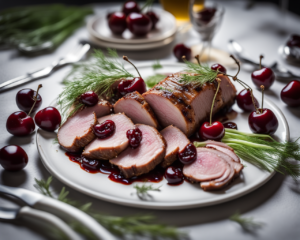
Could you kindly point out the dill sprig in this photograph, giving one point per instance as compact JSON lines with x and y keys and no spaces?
{"x":151,"y":81}
{"x":142,"y":190}
{"x":203,"y":74}
{"x":248,"y":224}
{"x":98,"y":76}
{"x":263,"y":151}
{"x":157,"y":65}
{"x":125,"y":227}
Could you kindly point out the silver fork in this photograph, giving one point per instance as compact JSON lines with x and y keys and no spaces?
{"x":44,"y":72}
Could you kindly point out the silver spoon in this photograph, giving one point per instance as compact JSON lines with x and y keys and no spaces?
{"x":280,"y":72}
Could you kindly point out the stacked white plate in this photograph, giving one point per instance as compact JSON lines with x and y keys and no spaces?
{"x":164,"y":34}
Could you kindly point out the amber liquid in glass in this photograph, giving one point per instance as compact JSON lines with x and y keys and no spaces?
{"x":180,"y":8}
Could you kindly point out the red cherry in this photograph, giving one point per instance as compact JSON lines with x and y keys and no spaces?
{"x":215,"y":131}
{"x":48,"y":119}
{"x":244,"y":101}
{"x":181,"y":50}
{"x":264,"y":76}
{"x":218,"y":67}
{"x":130,"y":7}
{"x":20,"y":124}
{"x":25,"y":99}
{"x":230,"y":125}
{"x":153,"y":17}
{"x":173,"y":175}
{"x":264,"y":122}
{"x":188,"y":155}
{"x":290,"y":94}
{"x":127,"y":86}
{"x":104,"y":129}
{"x":89,"y":98}
{"x":135,"y":137}
{"x":13,"y":158}
{"x":139,"y":24}
{"x":294,"y":41}
{"x":117,"y":22}
{"x":206,"y":14}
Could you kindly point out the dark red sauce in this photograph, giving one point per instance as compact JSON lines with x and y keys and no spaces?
{"x":231,"y":125}
{"x":114,"y":174}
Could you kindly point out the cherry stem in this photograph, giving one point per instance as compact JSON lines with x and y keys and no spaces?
{"x":260,"y":58}
{"x":262,"y":97}
{"x":198,"y":59}
{"x":126,"y":59}
{"x":183,"y":58}
{"x":213,"y":102}
{"x":35,"y":99}
{"x":239,"y":67}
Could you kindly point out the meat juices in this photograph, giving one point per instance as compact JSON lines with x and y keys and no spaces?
{"x":186,"y":106}
{"x":176,"y":141}
{"x":77,"y":132}
{"x":150,"y":153}
{"x":137,"y":109}
{"x":112,"y":146}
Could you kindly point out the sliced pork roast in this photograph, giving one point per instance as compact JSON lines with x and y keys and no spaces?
{"x":134,"y":162}
{"x":186,"y":106}
{"x":222,"y":147}
{"x":176,"y":141}
{"x":110,"y":147}
{"x":77,"y":132}
{"x":137,"y":109}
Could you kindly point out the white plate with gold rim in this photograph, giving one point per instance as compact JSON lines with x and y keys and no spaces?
{"x":186,"y":195}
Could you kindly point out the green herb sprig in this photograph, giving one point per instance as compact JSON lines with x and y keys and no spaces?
{"x":156,"y":65}
{"x":98,"y":76}
{"x":151,"y":81}
{"x":142,"y":190}
{"x":127,"y":227}
{"x":204,"y":74}
{"x":263,"y":151}
{"x":248,"y":224}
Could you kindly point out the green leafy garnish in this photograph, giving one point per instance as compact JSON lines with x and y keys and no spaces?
{"x":248,"y":224}
{"x":98,"y":76}
{"x":43,"y":27}
{"x":263,"y":151}
{"x":203,"y":74}
{"x":127,"y":227}
{"x":151,"y":81}
{"x":142,"y":191}
{"x":156,"y":65}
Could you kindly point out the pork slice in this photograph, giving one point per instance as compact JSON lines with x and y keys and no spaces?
{"x":137,"y":109}
{"x":186,"y":106}
{"x":77,"y":132}
{"x":227,"y":151}
{"x":134,"y":162}
{"x":208,"y":166}
{"x":112,"y":146}
{"x":221,"y":144}
{"x":176,"y":141}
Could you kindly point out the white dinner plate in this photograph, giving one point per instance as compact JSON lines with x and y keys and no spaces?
{"x":186,"y":195}
{"x":166,"y":28}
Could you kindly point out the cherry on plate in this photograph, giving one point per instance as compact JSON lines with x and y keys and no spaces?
{"x":294,"y":41}
{"x":173,"y":175}
{"x":135,"y":137}
{"x":128,"y":86}
{"x":230,"y":125}
{"x":290,"y":94}
{"x":215,"y":131}
{"x":245,"y":102}
{"x":264,"y":76}
{"x":48,"y":119}
{"x":89,"y":98}
{"x":130,"y":7}
{"x":188,"y":155}
{"x":20,"y":124}
{"x":13,"y":158}
{"x":117,"y":22}
{"x":105,"y":129}
{"x":25,"y":99}
{"x":139,"y":24}
{"x":153,"y":17}
{"x":181,"y":50}
{"x":263,"y":121}
{"x":219,"y":67}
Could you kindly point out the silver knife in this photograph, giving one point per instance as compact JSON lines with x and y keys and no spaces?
{"x":61,"y":209}
{"x":69,"y":58}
